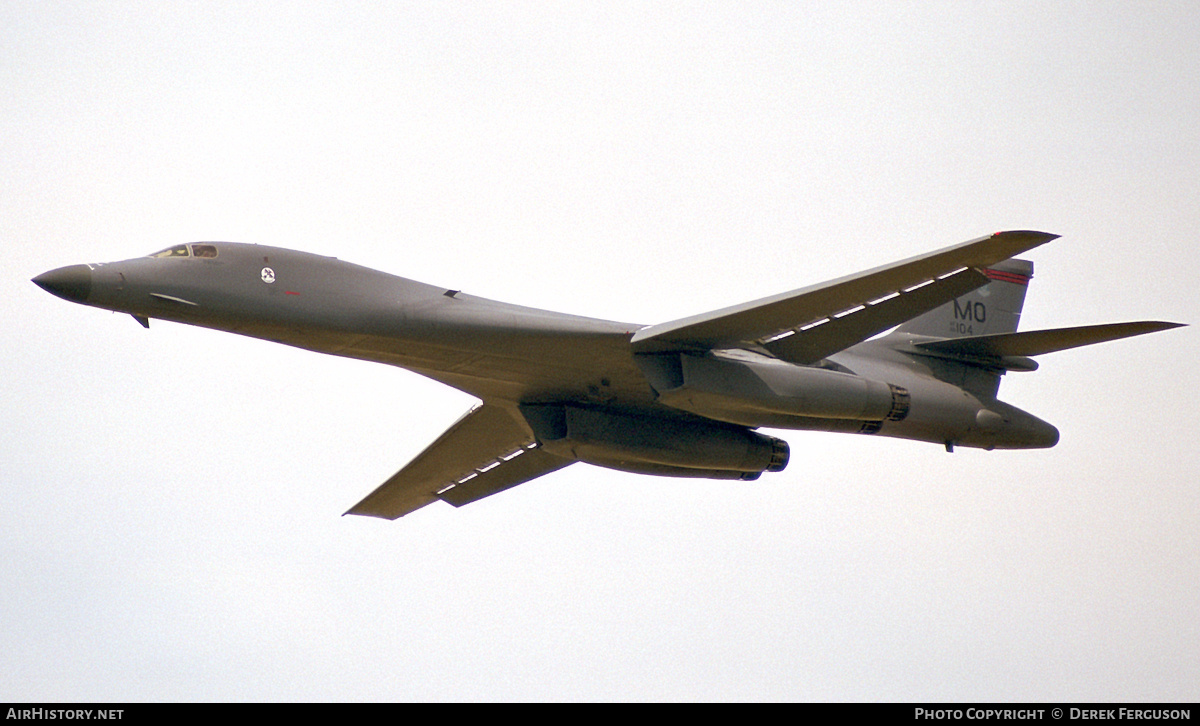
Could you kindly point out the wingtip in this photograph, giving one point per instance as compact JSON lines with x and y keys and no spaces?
{"x":1000,"y":246}
{"x":354,"y":511}
{"x":1165,"y":325}
{"x":1152,"y":326}
{"x":1029,"y":235}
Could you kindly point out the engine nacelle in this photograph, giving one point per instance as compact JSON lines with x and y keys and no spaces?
{"x":755,"y":390}
{"x":657,"y":445}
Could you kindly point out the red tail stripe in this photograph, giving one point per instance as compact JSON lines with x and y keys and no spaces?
{"x":1013,"y":277}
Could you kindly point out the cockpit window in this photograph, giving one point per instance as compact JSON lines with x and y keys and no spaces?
{"x":176,"y":251}
{"x":197,"y":250}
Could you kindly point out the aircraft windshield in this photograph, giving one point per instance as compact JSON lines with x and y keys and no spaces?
{"x":176,"y":251}
{"x":197,"y":250}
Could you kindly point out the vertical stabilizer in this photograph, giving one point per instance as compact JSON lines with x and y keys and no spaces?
{"x":992,"y":309}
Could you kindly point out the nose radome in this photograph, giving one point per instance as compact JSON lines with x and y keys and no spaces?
{"x":73,"y":282}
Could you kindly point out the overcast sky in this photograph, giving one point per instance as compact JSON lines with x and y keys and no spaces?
{"x":170,"y":499}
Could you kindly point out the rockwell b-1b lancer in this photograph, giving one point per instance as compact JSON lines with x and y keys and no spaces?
{"x":683,"y":398}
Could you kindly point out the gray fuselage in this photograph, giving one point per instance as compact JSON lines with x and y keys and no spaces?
{"x":518,"y":355}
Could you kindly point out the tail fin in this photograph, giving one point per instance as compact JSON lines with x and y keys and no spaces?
{"x":992,"y":309}
{"x":978,"y":333}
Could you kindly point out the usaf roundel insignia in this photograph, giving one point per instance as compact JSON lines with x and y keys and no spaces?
{"x":268,"y":275}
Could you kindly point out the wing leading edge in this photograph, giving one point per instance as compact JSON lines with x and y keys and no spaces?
{"x":484,"y":452}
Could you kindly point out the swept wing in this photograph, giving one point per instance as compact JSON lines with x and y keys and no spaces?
{"x":822,"y":317}
{"x":484,"y":452}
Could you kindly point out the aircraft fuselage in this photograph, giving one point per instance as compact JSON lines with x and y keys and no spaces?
{"x":522,"y":355}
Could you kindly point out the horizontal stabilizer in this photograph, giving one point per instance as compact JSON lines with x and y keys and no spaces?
{"x":484,"y":452}
{"x":768,"y":318}
{"x":1039,"y":342}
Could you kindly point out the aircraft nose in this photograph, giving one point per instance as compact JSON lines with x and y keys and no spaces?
{"x":73,"y":282}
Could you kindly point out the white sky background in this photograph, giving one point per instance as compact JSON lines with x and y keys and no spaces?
{"x":170,"y":499}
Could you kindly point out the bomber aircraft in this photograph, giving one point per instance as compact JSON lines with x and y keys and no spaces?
{"x":681,"y":398}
